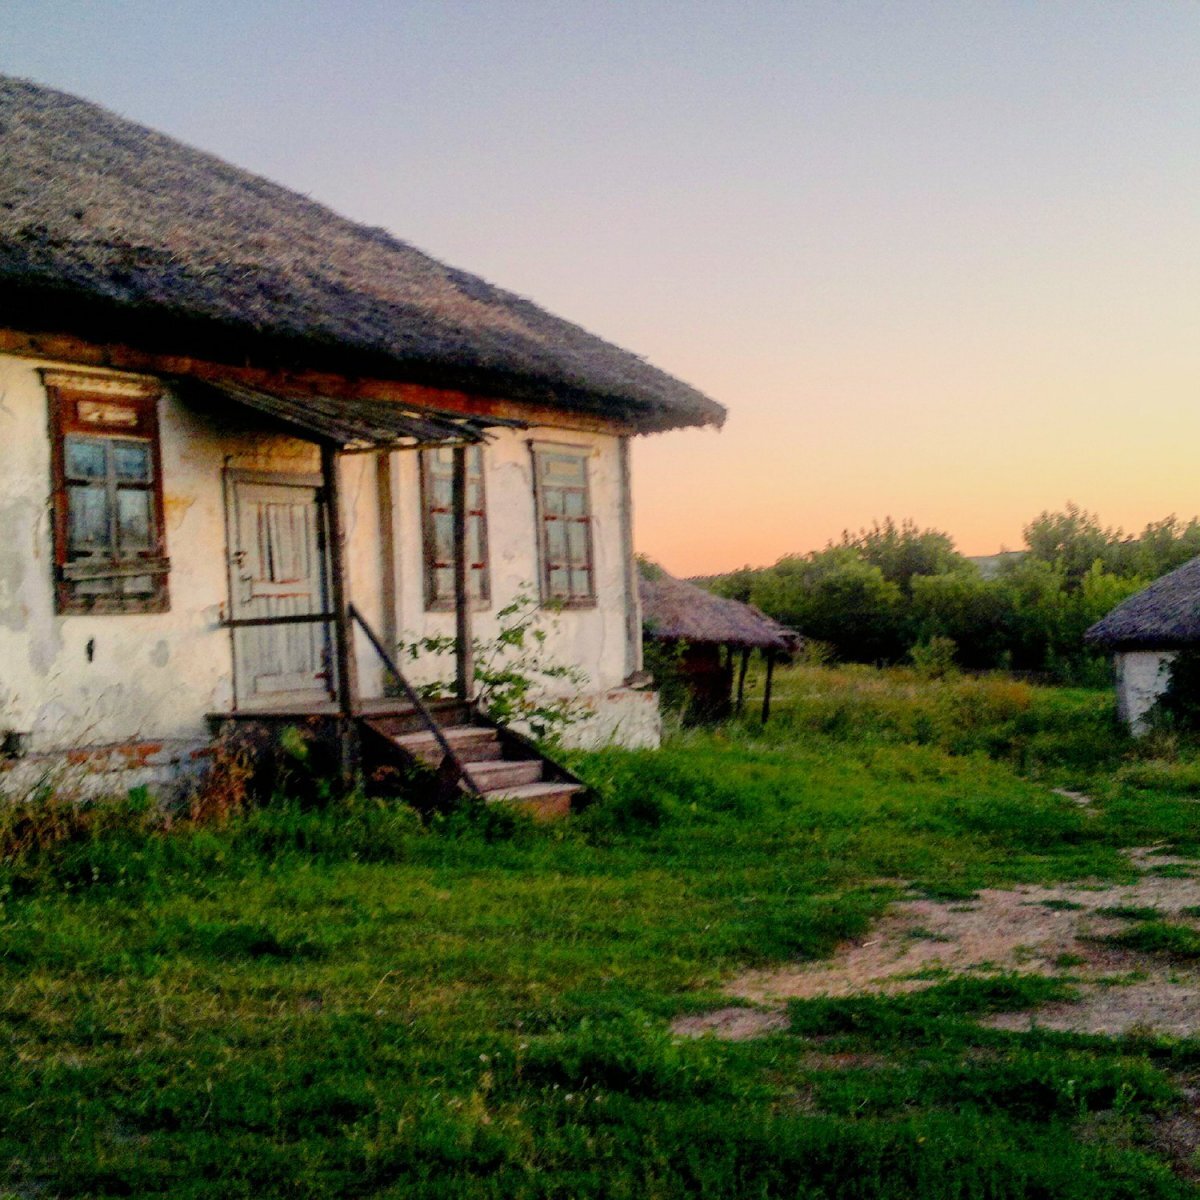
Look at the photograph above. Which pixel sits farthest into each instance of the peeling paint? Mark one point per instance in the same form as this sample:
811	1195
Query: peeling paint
14	518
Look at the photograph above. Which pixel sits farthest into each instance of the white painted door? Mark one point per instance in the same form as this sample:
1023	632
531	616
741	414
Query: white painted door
277	569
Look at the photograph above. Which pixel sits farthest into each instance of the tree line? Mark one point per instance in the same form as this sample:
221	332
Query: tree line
894	592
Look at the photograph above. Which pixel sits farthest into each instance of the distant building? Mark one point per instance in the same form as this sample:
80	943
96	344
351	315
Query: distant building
1145	633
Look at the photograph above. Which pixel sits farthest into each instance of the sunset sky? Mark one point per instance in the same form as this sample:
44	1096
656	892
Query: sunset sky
939	260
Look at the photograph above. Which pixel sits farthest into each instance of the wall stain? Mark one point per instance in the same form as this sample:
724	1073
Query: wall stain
13	516
175	509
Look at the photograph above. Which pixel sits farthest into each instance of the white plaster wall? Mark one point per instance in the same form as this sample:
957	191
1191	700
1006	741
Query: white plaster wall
155	676
1142	676
591	638
621	716
151	676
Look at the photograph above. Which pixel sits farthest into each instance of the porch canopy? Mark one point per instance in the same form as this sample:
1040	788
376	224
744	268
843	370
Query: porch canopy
347	425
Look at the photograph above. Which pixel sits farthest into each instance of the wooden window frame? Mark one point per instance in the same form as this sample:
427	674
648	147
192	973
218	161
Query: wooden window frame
110	409
433	601
543	518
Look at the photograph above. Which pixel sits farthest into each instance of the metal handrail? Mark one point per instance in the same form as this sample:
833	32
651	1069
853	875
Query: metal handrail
417	702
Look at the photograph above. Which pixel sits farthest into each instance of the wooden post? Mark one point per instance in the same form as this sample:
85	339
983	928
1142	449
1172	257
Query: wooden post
741	686
766	710
633	608
464	655
387	561
342	643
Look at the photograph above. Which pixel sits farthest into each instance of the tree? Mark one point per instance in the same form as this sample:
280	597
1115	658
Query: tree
903	552
1073	540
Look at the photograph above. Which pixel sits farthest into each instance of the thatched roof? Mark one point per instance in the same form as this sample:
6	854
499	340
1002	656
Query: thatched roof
675	610
112	232
1164	615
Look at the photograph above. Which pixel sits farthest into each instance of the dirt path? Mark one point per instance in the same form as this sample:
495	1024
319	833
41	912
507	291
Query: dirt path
1039	930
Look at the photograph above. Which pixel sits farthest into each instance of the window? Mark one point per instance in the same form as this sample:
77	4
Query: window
437	514
109	551
564	520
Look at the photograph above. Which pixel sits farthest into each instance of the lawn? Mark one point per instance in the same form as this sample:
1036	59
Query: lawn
336	1001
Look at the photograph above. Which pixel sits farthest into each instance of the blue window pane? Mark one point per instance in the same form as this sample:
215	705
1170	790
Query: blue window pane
443	537
563	468
133	520
556	541
84	457
87	520
577	542
131	461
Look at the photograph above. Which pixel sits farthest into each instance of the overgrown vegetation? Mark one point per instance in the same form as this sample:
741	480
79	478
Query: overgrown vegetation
329	998
514	679
886	594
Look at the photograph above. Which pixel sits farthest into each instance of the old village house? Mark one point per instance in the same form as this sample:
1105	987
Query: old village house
246	445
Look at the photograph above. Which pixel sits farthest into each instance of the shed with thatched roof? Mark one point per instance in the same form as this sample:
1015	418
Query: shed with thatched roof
209	384
708	633
1145	634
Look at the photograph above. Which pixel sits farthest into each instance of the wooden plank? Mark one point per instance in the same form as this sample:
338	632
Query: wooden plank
66	348
282	619
633	607
741	683
344	650
385	503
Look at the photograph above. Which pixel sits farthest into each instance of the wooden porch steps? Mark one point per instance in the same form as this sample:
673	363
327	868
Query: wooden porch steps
503	766
472	743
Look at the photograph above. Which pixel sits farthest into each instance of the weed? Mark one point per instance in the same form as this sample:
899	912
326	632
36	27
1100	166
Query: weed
1131	912
1160	937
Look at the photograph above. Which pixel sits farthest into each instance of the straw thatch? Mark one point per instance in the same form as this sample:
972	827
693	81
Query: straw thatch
1159	617
675	610
112	232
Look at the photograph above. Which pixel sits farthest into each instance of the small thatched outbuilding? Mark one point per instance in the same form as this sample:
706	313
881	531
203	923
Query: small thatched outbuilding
711	632
1145	633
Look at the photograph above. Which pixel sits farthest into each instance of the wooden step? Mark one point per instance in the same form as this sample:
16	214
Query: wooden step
472	743
502	774
447	713
542	801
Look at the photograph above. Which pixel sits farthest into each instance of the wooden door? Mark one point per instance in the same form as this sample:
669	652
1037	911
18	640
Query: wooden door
278	569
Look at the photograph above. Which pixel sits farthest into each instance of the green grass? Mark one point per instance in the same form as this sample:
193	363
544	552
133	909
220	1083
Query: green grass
1176	942
339	1002
1131	912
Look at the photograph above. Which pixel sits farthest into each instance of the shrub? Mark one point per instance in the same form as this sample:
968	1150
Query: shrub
1178	707
934	659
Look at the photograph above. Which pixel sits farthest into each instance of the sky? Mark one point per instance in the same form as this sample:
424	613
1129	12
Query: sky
938	260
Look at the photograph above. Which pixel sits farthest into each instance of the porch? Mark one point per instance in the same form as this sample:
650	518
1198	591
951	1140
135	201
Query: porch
293	623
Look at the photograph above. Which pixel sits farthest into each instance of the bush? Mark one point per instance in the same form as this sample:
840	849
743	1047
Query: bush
934	659
1178	707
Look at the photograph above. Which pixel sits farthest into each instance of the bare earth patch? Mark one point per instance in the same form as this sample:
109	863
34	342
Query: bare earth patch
733	1024
1038	930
